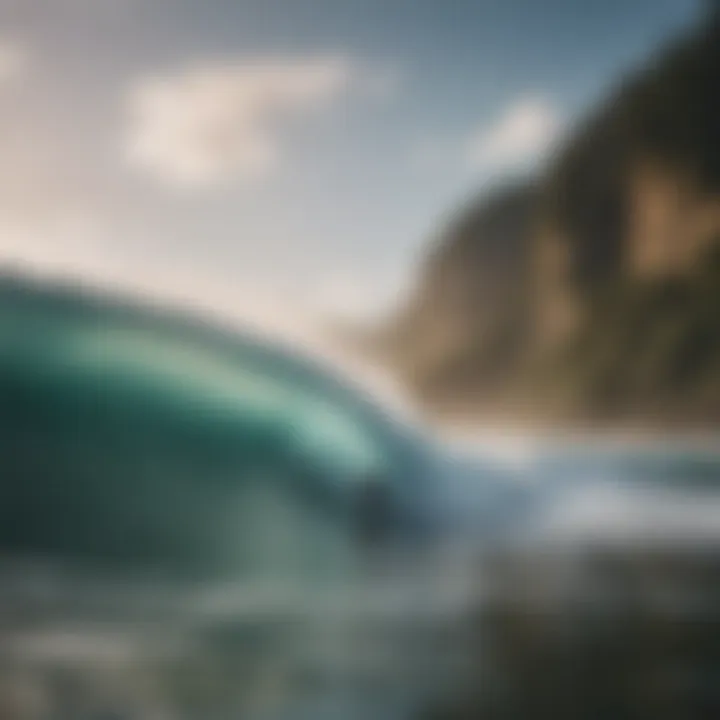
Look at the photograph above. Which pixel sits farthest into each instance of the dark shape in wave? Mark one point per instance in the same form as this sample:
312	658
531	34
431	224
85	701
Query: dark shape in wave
140	438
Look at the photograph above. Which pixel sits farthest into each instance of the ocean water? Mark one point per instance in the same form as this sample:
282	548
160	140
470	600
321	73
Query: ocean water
557	530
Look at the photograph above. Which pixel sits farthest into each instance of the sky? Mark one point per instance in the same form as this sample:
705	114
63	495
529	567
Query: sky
277	161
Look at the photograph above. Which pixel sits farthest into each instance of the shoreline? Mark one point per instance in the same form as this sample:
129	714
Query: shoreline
702	440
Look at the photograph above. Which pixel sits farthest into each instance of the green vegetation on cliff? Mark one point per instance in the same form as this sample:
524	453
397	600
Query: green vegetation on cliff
629	212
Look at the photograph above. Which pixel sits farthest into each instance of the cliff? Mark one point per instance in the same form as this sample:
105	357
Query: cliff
594	295
467	316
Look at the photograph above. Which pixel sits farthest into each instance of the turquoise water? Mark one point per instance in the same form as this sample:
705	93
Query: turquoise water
182	531
385	642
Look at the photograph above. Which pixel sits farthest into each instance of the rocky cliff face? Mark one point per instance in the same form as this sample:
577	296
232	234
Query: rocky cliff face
596	289
468	315
672	220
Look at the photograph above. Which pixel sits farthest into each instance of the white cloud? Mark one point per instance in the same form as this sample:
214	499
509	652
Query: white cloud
522	135
14	58
222	120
